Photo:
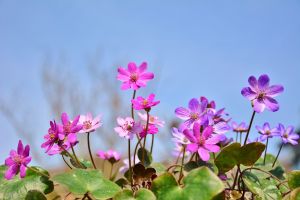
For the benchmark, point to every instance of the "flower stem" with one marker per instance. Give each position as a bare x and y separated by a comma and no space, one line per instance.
152,143
146,132
90,152
182,162
37,171
241,136
277,154
135,149
266,151
236,136
250,124
132,111
111,169
129,159
75,156
66,161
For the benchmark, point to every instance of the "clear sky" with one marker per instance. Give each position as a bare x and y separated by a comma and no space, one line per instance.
197,48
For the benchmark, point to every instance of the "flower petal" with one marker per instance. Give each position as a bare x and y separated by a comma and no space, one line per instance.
263,81
142,67
248,93
252,81
258,106
203,153
192,147
182,113
274,90
64,118
131,67
271,104
194,104
22,171
212,147
20,148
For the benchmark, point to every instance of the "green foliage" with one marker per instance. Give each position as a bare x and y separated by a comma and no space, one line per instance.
234,154
31,185
294,179
80,181
35,195
199,184
159,168
147,156
142,194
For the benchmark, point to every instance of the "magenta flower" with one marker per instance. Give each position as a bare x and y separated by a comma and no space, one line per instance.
202,142
288,134
152,129
134,77
88,123
52,139
127,127
110,155
144,103
266,131
17,161
261,94
239,128
193,113
70,128
152,119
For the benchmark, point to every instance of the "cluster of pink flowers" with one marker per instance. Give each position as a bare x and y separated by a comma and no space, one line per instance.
61,137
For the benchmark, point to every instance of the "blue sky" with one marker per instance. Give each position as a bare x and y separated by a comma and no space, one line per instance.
197,48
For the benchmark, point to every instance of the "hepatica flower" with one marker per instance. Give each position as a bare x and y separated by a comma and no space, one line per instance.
111,155
266,131
239,128
127,127
141,103
152,119
261,94
152,129
89,124
52,139
288,134
202,142
179,137
70,128
134,77
17,161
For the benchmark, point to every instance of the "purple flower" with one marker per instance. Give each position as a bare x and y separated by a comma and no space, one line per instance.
193,113
179,137
178,151
266,131
52,139
134,77
202,142
17,161
288,134
239,128
141,103
70,128
88,123
261,94
110,155
127,127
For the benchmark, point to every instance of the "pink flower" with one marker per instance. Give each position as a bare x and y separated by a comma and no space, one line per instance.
88,123
134,77
110,155
202,142
70,128
52,139
144,103
242,127
17,161
152,129
152,119
127,127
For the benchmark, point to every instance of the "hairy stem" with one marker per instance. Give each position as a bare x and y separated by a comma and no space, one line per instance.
75,156
266,150
277,154
250,124
181,169
90,152
152,143
146,132
66,161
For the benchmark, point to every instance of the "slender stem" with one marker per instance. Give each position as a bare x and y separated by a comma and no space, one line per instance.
250,124
266,150
192,157
146,132
152,143
111,169
135,150
129,159
241,136
182,162
277,154
236,136
132,111
90,152
235,179
66,161
37,171
76,158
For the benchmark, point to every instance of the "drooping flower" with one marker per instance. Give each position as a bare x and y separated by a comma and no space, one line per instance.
141,103
239,128
125,166
111,155
261,94
266,131
179,137
178,151
70,128
127,127
254,140
152,129
152,119
202,142
288,134
89,124
134,77
52,139
192,114
17,161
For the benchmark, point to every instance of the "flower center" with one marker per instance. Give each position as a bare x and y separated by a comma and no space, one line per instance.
268,132
87,125
18,159
133,77
194,116
285,135
67,128
145,102
261,96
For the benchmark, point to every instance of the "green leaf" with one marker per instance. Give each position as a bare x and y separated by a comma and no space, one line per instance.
80,181
265,189
35,195
17,188
147,156
199,184
159,168
294,179
142,194
228,157
75,164
250,153
121,182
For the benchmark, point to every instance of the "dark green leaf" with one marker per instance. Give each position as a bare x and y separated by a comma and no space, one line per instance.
121,182
35,195
250,153
228,157
294,179
147,156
